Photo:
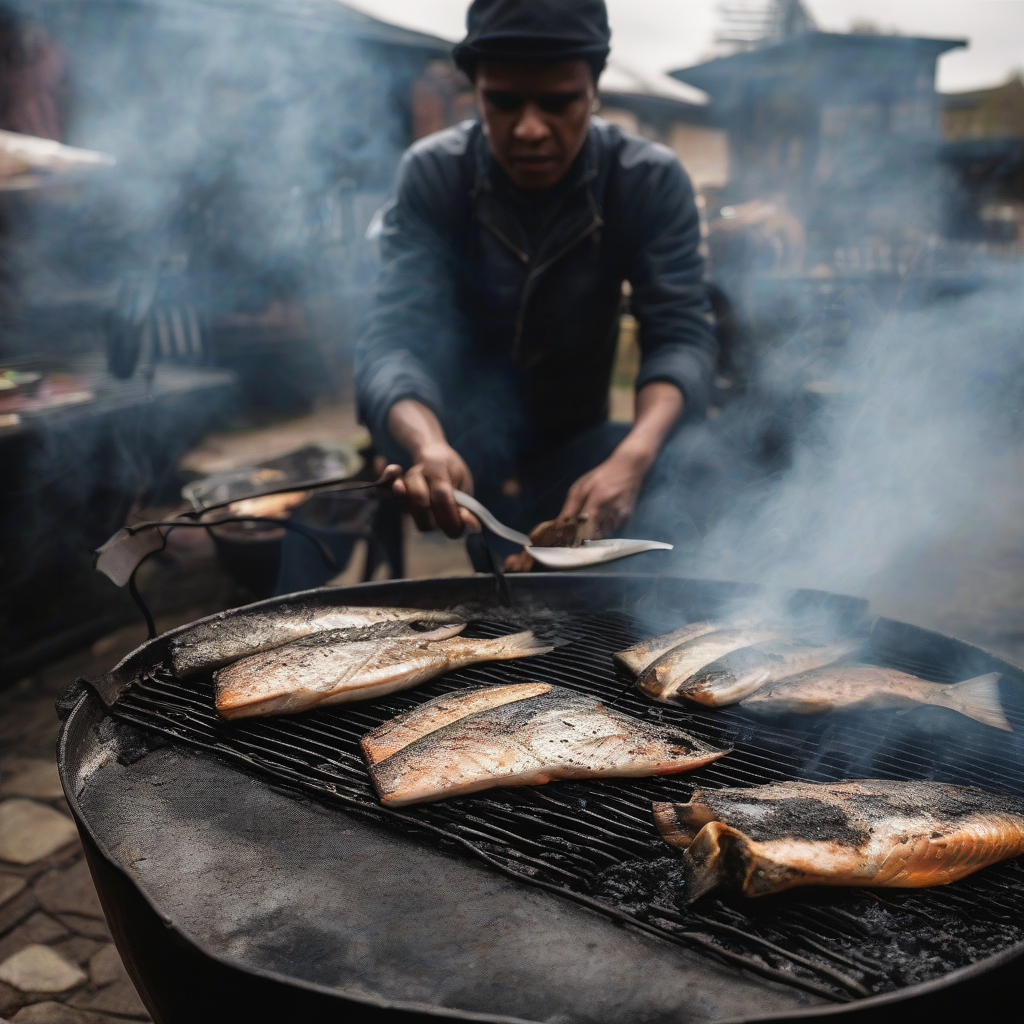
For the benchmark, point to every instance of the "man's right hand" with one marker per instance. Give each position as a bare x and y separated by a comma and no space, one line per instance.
437,470
427,489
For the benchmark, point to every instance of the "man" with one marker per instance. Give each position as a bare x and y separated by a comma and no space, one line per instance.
485,362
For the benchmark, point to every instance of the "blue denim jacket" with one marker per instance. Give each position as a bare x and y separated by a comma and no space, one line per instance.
509,338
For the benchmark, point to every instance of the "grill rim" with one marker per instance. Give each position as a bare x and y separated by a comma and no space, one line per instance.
563,587
74,721
88,711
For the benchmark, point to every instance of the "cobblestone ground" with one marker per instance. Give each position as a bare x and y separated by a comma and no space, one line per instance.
57,963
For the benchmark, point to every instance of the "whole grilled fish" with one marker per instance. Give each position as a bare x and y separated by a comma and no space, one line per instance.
742,672
870,833
519,735
663,678
841,687
320,670
636,658
230,636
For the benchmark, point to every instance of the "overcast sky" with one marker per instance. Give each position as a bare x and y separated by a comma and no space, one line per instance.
657,35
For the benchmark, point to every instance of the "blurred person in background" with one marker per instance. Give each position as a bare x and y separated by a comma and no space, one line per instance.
34,93
485,361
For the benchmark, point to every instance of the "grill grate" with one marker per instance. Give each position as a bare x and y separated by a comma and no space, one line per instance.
594,841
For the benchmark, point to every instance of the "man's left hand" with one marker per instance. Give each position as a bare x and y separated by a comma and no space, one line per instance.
609,491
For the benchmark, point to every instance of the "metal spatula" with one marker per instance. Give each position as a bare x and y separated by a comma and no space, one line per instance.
590,552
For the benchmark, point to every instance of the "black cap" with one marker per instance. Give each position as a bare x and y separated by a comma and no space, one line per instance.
534,32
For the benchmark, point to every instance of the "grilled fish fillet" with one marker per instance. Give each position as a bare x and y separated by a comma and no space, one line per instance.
636,658
229,637
663,678
841,687
870,833
392,736
315,671
742,672
520,735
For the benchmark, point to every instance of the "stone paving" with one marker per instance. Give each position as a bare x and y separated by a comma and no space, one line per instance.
57,963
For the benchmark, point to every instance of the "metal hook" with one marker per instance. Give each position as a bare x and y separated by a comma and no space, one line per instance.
322,549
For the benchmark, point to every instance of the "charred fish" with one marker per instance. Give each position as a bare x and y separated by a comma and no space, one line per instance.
227,637
664,678
638,657
870,833
845,687
744,671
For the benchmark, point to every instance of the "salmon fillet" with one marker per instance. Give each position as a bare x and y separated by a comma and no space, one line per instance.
640,655
869,833
666,678
325,669
846,687
518,735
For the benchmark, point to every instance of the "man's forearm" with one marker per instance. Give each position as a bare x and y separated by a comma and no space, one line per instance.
658,406
415,427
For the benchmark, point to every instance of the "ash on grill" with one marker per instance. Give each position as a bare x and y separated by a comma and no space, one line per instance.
594,842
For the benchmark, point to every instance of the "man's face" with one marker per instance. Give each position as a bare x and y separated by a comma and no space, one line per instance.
535,117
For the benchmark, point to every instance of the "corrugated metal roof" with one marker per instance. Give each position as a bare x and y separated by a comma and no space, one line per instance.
724,71
622,79
331,14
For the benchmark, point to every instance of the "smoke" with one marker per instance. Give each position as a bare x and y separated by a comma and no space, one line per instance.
254,141
912,451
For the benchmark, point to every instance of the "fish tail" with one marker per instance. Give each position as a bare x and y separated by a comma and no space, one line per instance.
978,698
514,645
705,860
436,632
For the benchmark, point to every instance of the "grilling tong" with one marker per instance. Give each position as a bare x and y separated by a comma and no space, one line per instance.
590,552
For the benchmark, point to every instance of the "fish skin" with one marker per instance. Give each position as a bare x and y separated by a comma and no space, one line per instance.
639,656
663,678
559,734
312,672
873,833
842,687
231,636
399,732
744,671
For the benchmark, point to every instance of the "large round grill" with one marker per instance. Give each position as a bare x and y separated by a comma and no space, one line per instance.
593,843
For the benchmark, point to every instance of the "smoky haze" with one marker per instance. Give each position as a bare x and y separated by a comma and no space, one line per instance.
912,445
242,131
245,132
253,141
